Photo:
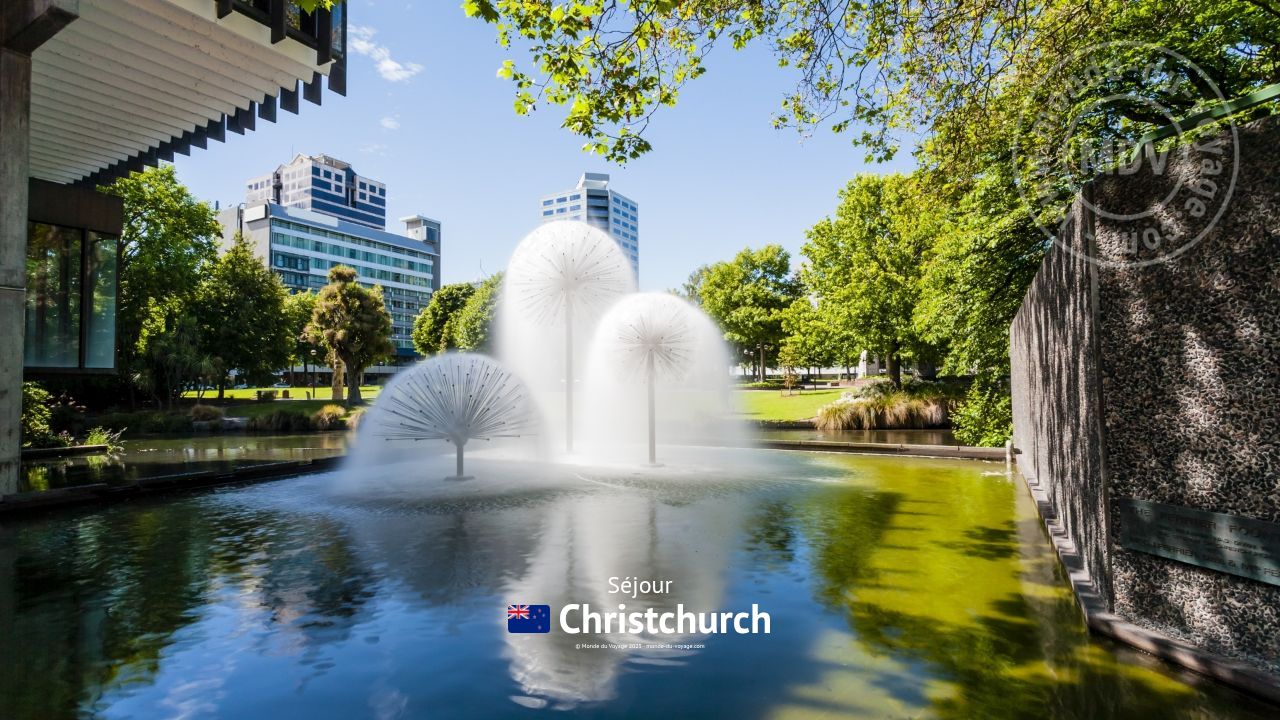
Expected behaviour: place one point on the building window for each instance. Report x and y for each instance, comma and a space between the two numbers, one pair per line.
71, 298
546, 203
561, 199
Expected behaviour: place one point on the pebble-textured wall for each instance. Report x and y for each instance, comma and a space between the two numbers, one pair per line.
1188, 361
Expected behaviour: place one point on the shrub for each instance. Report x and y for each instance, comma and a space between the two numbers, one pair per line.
879, 405
329, 417
985, 417
353, 420
35, 415
164, 422
770, 385
266, 395
103, 436
206, 413
282, 421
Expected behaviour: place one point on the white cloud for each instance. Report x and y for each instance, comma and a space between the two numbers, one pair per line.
390, 123
360, 39
374, 149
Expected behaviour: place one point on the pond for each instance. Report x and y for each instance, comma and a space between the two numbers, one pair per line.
154, 456
896, 588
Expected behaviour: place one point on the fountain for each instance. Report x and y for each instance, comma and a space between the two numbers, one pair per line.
649, 336
646, 350
563, 274
455, 398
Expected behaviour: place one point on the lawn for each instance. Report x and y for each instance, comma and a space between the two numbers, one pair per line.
322, 392
776, 405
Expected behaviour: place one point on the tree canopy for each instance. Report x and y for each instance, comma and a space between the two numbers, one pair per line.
950, 71
747, 296
473, 327
865, 264
433, 328
240, 309
169, 242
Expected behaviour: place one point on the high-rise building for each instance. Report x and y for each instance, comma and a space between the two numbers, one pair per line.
326, 185
301, 236
593, 202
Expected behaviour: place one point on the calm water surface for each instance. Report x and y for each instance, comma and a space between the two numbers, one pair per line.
153, 456
897, 588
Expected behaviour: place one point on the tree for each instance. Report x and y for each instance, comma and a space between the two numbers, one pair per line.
747, 297
353, 324
169, 241
240, 306
433, 328
690, 289
810, 340
865, 265
298, 309
169, 352
941, 70
472, 329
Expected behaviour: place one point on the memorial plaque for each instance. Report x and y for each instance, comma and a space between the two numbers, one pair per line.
1229, 543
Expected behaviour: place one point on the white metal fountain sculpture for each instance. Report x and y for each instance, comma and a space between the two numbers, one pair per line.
650, 336
565, 273
456, 398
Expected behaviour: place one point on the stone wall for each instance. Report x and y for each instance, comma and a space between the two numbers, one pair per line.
1162, 382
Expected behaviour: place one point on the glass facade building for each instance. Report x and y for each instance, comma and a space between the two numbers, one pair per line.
593, 202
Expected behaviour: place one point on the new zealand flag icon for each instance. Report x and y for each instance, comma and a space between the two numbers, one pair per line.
528, 618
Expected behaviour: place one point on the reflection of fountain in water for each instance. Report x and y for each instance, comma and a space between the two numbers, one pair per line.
562, 275
455, 398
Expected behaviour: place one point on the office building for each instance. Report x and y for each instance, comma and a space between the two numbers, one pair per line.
301, 243
323, 184
592, 201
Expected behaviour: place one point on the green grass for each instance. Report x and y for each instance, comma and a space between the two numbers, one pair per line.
775, 405
322, 392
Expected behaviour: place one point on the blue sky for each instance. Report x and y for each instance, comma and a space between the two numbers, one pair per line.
426, 114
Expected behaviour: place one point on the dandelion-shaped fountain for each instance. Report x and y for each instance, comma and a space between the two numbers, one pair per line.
566, 273
455, 398
650, 336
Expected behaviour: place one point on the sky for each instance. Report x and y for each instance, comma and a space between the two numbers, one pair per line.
426, 113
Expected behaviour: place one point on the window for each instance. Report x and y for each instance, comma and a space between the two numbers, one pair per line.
548, 212
573, 208
546, 203
71, 298
561, 199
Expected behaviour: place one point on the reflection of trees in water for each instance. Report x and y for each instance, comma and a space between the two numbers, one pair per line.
953, 582
99, 598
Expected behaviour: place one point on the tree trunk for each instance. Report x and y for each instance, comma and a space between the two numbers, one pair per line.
895, 366
353, 386
762, 368
336, 383
222, 384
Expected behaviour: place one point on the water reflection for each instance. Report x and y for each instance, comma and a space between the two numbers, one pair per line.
896, 587
151, 457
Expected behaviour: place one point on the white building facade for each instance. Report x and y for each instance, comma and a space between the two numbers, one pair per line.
302, 245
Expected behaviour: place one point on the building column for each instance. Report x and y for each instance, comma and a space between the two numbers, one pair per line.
24, 26
15, 140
